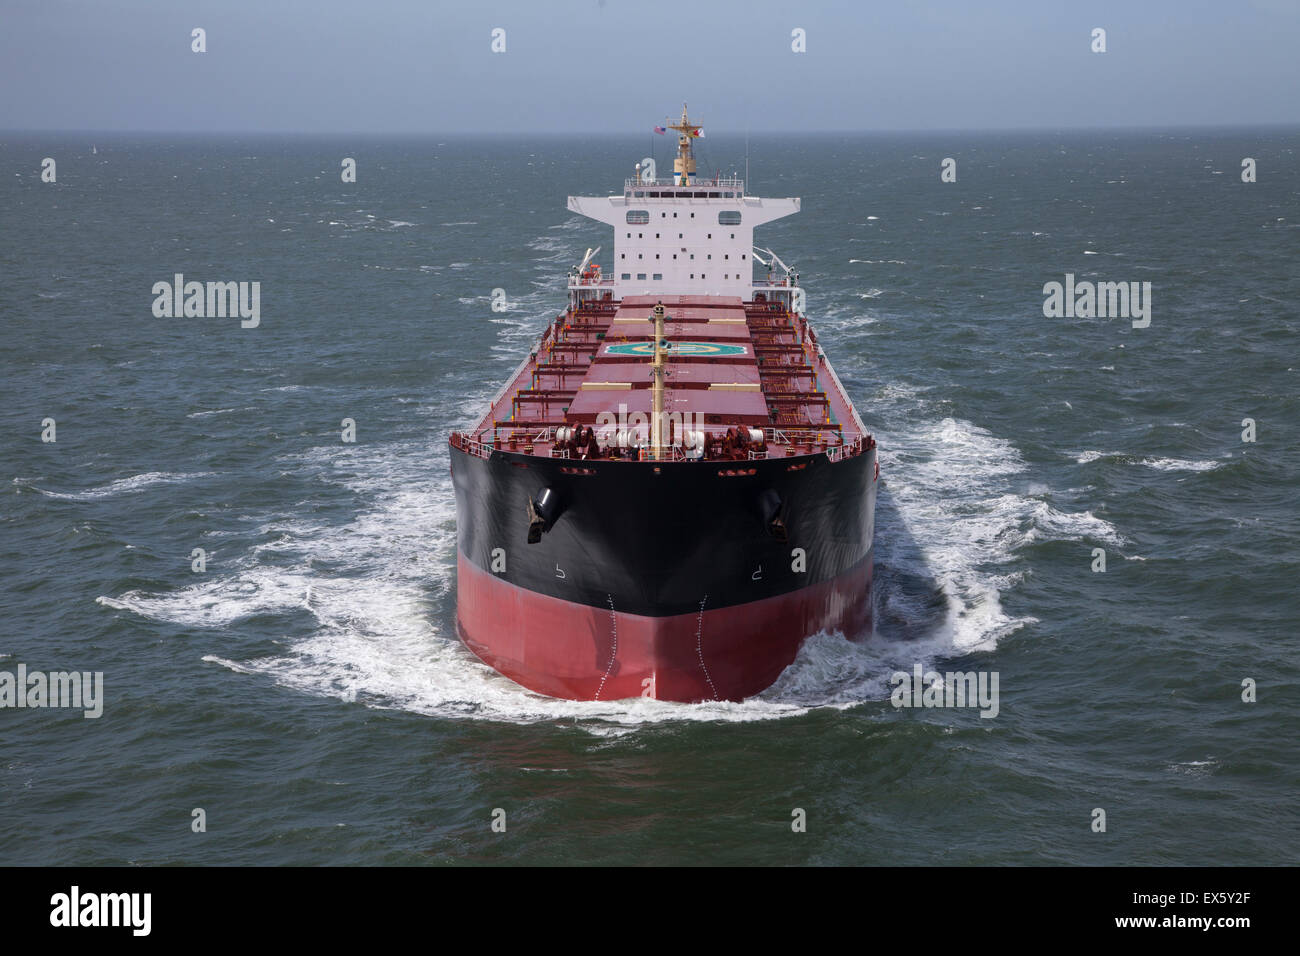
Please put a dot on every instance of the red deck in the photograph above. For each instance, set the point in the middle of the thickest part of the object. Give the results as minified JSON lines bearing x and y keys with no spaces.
{"x":730,"y":364}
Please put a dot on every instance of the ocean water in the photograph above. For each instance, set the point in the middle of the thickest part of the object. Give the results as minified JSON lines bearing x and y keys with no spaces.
{"x":307,"y":690}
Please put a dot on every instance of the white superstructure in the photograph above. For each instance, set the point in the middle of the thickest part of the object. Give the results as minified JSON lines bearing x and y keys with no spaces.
{"x":680,"y":236}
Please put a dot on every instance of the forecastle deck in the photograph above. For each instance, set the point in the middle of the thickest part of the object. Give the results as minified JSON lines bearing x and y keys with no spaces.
{"x":745,"y":380}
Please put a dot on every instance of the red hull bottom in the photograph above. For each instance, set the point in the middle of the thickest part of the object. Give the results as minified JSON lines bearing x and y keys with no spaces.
{"x":575,"y":651}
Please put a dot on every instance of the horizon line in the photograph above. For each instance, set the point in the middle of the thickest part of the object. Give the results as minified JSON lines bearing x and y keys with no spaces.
{"x":784,"y":132}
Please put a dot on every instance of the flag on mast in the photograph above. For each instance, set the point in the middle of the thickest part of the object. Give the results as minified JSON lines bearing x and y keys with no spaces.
{"x":660,"y":130}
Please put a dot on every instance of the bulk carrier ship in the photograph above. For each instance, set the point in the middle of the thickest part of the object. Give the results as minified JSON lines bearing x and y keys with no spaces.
{"x":673,"y":490}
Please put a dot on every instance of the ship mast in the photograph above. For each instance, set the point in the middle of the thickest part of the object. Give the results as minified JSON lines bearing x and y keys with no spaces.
{"x":684,"y":164}
{"x":657,"y":370}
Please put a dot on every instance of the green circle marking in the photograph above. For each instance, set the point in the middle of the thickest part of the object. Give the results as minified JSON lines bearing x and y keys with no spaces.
{"x":696,"y":349}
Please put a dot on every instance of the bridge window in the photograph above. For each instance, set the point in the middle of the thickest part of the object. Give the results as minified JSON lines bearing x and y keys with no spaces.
{"x":627,"y":275}
{"x":637,"y":217}
{"x":640,"y":275}
{"x":729,"y":217}
{"x":659,"y":275}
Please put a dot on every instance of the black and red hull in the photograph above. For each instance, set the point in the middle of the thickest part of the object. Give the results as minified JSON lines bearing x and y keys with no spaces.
{"x":659,"y":579}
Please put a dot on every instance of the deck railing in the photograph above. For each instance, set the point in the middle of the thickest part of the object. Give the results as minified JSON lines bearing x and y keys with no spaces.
{"x":471,"y":445}
{"x":488,"y":441}
{"x":839,"y":387}
{"x":721,"y":182}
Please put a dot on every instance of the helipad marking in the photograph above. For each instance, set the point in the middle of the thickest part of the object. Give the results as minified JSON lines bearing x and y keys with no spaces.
{"x":678,"y":348}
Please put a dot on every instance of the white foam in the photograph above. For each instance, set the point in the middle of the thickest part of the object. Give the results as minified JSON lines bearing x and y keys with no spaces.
{"x":220,"y":602}
{"x":1194,"y":768}
{"x":1046,"y":523}
{"x":1179,"y":464}
{"x":1160,"y":464}
{"x":852,"y":322}
{"x":124,"y":485}
{"x":371,"y":600}
{"x":438,"y":677}
{"x":1084,"y":458}
{"x":959,"y":494}
{"x":372,"y":635}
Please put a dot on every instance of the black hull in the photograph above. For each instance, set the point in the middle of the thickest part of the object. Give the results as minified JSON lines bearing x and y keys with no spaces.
{"x":655,"y":539}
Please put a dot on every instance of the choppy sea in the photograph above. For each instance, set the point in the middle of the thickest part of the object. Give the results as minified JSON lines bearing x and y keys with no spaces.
{"x":306,"y":689}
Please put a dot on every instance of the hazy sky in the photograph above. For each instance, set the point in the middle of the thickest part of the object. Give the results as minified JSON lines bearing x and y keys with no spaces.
{"x":616,"y":66}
